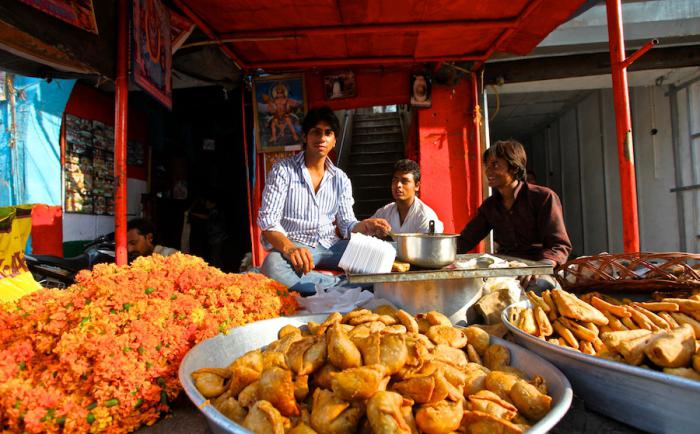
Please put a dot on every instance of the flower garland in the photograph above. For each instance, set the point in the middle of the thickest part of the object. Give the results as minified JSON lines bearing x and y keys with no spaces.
{"x":102,"y":355}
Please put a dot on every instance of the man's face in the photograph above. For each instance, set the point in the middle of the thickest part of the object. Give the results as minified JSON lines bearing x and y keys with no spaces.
{"x":498,"y":173}
{"x":138,"y":244}
{"x":404,"y":187}
{"x":320,"y":140}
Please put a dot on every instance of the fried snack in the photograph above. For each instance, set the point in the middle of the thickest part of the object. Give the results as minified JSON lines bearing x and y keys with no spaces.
{"x":475,"y":381}
{"x":685,"y":319}
{"x":245,"y":370}
{"x":633,"y":350}
{"x":641,"y":320}
{"x":553,"y":312}
{"x":570,"y":306}
{"x":393,"y":352}
{"x":685,"y":305}
{"x":478,"y":338}
{"x":232,"y":409}
{"x":499,"y":330}
{"x":210,"y":381}
{"x":322,"y":377}
{"x":439,"y":418}
{"x":447,"y":335}
{"x":473,"y":354}
{"x":477,"y":422}
{"x":500,"y":383}
{"x":627,"y":322}
{"x":566,"y":334}
{"x":301,"y":387}
{"x":488,"y":402}
{"x":423,"y":323}
{"x":691,"y":374}
{"x":536,"y":300}
{"x":613,"y":339}
{"x":307,"y":355}
{"x":616,"y":310}
{"x":673,"y":349}
{"x":250,"y":394}
{"x":436,"y":318}
{"x":543,"y":324}
{"x":696,"y":362}
{"x":453,"y":356}
{"x":302,"y":428}
{"x":532,"y":403}
{"x":578,"y":330}
{"x":656,"y":319}
{"x":333,"y":415}
{"x":669,"y":319}
{"x":586,"y":348}
{"x":407,"y":320}
{"x":342,"y":352}
{"x":359,"y":383}
{"x":331,"y":319}
{"x":614,"y":323}
{"x":418,"y":389}
{"x":386,"y":415}
{"x":388,"y":320}
{"x":526,"y":322}
{"x":400,"y":267}
{"x":496,"y":357}
{"x":263,"y":418}
{"x":659,"y":306}
{"x":276,"y":387}
{"x":357,"y":313}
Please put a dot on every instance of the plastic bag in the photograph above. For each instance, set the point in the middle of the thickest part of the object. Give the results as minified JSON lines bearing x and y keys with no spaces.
{"x":15,"y":278}
{"x":335,"y":299}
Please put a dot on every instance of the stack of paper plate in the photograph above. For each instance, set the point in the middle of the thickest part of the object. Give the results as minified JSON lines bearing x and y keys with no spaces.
{"x":367,"y":255}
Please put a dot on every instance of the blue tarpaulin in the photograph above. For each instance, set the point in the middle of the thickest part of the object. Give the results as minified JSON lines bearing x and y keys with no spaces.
{"x":30,"y":152}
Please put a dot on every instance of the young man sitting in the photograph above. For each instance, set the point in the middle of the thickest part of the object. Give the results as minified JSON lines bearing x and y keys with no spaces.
{"x":408,"y":214}
{"x":306,"y":196}
{"x":139,"y":236}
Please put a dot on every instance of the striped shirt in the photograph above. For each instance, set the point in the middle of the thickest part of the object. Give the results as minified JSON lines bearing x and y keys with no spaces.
{"x":290,"y":205}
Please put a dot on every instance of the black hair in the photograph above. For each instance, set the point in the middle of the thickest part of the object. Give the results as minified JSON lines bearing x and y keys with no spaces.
{"x":144,"y":226}
{"x":513,"y":152}
{"x":320,"y":114}
{"x":407,"y":165}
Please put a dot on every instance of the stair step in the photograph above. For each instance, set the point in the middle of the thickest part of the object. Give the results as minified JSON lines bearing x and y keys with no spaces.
{"x":378,"y":144}
{"x":385,"y":169}
{"x":380,"y":123}
{"x":370,"y":157}
{"x":375,"y":116}
{"x":371,"y":132}
{"x":370,"y":180}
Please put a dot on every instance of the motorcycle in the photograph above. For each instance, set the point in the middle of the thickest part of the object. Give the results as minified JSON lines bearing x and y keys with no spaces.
{"x":56,"y":272}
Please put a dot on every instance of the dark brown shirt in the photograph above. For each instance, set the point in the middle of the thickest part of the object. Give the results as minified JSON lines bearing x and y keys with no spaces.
{"x":533,"y":228}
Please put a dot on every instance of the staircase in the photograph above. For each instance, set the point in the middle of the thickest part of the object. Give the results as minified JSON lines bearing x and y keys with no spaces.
{"x":377,"y":143}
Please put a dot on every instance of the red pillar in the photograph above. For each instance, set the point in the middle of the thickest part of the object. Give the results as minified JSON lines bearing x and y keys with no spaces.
{"x":474,"y":154}
{"x":444,"y":149}
{"x":623,"y":124}
{"x":120,"y":131}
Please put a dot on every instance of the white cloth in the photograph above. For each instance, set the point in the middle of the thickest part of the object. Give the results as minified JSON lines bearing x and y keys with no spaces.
{"x":164,"y":251}
{"x":417,"y":220}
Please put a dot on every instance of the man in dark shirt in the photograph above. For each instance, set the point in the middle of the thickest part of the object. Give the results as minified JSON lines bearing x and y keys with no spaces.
{"x":526,"y":219}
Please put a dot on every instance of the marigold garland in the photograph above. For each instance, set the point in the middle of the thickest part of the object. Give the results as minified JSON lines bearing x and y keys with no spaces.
{"x":102,"y":355}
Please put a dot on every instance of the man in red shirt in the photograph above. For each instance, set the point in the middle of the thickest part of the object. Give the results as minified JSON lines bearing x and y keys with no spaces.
{"x":526,"y":219}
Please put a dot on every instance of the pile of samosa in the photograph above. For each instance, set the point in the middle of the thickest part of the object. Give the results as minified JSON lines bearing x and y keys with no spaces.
{"x":661,"y":333}
{"x":377,"y":372}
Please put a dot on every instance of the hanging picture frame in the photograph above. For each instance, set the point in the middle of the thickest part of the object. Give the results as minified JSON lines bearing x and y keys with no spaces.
{"x":339,"y":84}
{"x":420,"y":91}
{"x":279,"y":106}
{"x":151,"y":53}
{"x":79,"y":13}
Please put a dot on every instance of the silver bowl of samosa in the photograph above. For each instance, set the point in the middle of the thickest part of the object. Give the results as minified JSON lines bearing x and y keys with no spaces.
{"x":370,"y":372}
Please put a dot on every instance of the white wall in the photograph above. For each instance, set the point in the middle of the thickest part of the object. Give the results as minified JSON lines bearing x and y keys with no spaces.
{"x":576,"y":156}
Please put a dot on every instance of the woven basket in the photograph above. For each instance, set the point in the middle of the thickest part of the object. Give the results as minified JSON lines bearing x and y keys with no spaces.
{"x":640,"y":271}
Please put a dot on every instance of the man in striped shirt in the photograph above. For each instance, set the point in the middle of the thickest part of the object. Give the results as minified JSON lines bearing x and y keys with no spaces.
{"x":305,"y":198}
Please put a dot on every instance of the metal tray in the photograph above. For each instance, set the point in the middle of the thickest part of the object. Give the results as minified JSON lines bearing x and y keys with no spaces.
{"x":643,"y":398}
{"x":221,"y":350}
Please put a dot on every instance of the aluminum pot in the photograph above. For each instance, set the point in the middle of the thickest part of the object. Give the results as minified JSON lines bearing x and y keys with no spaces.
{"x":426,"y":250}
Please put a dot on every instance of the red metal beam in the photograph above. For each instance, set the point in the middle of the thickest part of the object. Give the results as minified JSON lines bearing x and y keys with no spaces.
{"x":211,"y":34}
{"x":349,"y":29}
{"x":639,"y":53}
{"x":474,"y":154}
{"x":509,"y":31}
{"x":251,"y":221}
{"x":346,"y":61}
{"x":623,"y":124}
{"x":121,"y":102}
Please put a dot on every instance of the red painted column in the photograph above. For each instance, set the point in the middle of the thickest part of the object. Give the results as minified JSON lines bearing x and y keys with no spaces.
{"x":120,"y":131}
{"x":474,"y":154}
{"x":444,"y":148}
{"x":623,"y":124}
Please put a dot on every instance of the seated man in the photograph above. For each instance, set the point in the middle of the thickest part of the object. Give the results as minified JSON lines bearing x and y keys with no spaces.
{"x":408,"y":214}
{"x":139,"y":236}
{"x":526,"y":219}
{"x":305,"y":197}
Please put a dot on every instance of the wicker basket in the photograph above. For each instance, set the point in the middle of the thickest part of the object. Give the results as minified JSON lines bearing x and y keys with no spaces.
{"x":640,"y":271}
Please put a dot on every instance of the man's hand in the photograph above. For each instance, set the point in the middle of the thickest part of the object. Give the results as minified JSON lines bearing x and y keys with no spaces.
{"x":525,"y":281}
{"x":301,"y":259}
{"x":373,"y":226}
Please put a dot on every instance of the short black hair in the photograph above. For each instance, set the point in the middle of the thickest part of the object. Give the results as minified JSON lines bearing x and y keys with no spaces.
{"x":320,"y":114}
{"x":407,"y":165}
{"x":513,"y":152}
{"x":144,"y":226}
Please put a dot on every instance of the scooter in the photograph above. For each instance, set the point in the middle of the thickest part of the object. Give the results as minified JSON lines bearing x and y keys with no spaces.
{"x":55,"y":272}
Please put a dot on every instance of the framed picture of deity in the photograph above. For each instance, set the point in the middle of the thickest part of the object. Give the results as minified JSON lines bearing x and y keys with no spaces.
{"x":279,"y":106}
{"x":151,"y":66}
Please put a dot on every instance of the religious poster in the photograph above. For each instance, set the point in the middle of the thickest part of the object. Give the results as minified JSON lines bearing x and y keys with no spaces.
{"x":279,"y":108}
{"x":339,"y":84}
{"x":180,"y":29}
{"x":150,"y":50}
{"x":271,"y":158}
{"x":79,"y":13}
{"x":420,"y":90}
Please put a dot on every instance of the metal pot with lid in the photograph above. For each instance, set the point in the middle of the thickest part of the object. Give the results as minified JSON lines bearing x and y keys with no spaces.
{"x":429,"y":250}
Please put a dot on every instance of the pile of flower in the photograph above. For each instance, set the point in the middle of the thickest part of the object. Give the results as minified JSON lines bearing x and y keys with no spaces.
{"x":102,"y":356}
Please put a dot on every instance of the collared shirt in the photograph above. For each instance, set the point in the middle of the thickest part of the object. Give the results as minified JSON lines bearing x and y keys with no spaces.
{"x":417,"y":219}
{"x":290,"y":205}
{"x":533,"y":228}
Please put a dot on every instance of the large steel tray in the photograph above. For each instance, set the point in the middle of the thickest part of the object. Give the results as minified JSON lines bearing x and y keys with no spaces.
{"x":221,"y":350}
{"x":643,"y":398}
{"x":532,"y":267}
